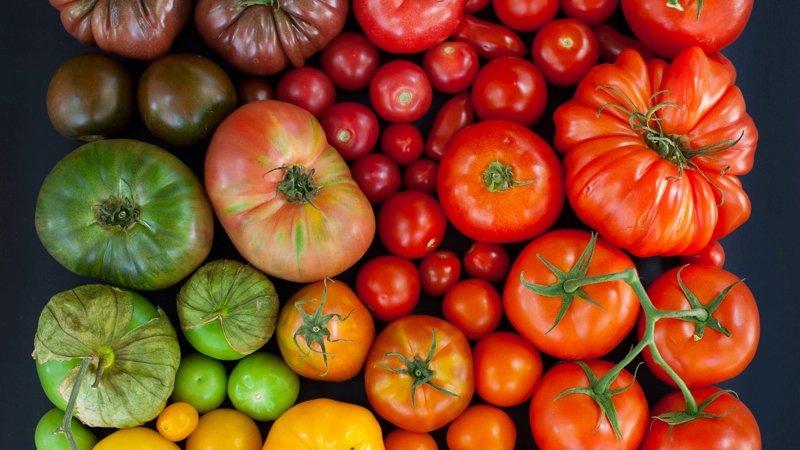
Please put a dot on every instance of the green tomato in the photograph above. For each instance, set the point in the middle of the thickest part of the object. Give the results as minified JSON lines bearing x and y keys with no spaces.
{"x":48,"y":435}
{"x":200,"y":382}
{"x":263,"y":386}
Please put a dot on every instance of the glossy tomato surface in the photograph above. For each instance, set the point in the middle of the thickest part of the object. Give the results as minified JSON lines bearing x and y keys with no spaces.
{"x":400,"y":439}
{"x":590,"y":12}
{"x":474,"y":306}
{"x":565,"y":50}
{"x":350,"y":60}
{"x":402,"y":142}
{"x":525,"y":15}
{"x":451,"y":66}
{"x":454,"y":115}
{"x":389,"y":286}
{"x":352,"y":129}
{"x":507,"y":369}
{"x":254,"y":89}
{"x":482,"y":427}
{"x":421,"y":175}
{"x":512,"y":89}
{"x":487,"y":261}
{"x":411,"y":224}
{"x":400,"y":92}
{"x":377,"y":176}
{"x":439,"y":272}
{"x":308,"y":88}
{"x":712,"y":254}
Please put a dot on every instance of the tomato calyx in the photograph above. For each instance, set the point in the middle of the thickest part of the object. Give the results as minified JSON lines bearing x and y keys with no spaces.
{"x":674,"y":418}
{"x":297,"y":185}
{"x":314,"y":329}
{"x":103,"y":359}
{"x":676,"y":4}
{"x":709,"y":320}
{"x":120,"y":211}
{"x":499,"y":177}
{"x":249,"y":3}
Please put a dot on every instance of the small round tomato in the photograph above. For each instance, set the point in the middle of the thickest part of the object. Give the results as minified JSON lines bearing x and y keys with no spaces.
{"x":263,"y":386}
{"x":590,"y":12}
{"x":474,"y":306}
{"x":565,"y":50}
{"x":400,"y":439}
{"x":308,"y":88}
{"x":507,"y":368}
{"x":451,"y":66}
{"x":510,"y":88}
{"x":225,"y":429}
{"x":254,"y":90}
{"x":201,"y":382}
{"x":400,"y":92}
{"x":712,"y":254}
{"x":350,"y":60}
{"x":473,"y":6}
{"x":137,"y":438}
{"x":403,"y":143}
{"x":487,"y":261}
{"x":48,"y":434}
{"x":421,"y":175}
{"x":177,"y":421}
{"x":439,"y":272}
{"x":525,"y":15}
{"x":352,"y":129}
{"x":389,"y":286}
{"x":411,"y":224}
{"x":482,"y":427}
{"x":377,"y":176}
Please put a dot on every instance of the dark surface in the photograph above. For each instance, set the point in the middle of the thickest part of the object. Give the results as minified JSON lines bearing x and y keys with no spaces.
{"x":764,"y":250}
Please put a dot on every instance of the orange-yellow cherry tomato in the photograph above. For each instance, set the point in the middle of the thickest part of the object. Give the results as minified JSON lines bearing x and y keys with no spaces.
{"x":177,"y":421}
{"x":225,"y":429}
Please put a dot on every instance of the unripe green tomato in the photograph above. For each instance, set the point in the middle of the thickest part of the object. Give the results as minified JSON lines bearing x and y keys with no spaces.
{"x":263,"y":386}
{"x":48,"y":436}
{"x":200,"y":382}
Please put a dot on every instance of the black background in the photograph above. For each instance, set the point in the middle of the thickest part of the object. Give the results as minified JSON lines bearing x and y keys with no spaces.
{"x":764,"y":250}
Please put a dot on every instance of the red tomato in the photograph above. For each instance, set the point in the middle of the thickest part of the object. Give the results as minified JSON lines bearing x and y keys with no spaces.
{"x":525,"y":15}
{"x":482,"y":427}
{"x":667,"y":30}
{"x":402,"y":142}
{"x":487,"y":261}
{"x":411,"y":224}
{"x":712,"y":254}
{"x":500,"y":182}
{"x":389,"y":286}
{"x":421,"y":175}
{"x":439,"y":272}
{"x":575,"y":420}
{"x":377,"y":176}
{"x":350,"y":60}
{"x":451,"y":66}
{"x":507,"y":368}
{"x":308,"y":88}
{"x":473,"y":6}
{"x":590,"y":12}
{"x":565,"y":50}
{"x":732,"y":427}
{"x":612,"y":43}
{"x":510,"y":89}
{"x":351,"y":128}
{"x":254,"y":89}
{"x":701,"y":354}
{"x":489,"y":39}
{"x":454,"y":115}
{"x":408,"y":440}
{"x":400,"y":92}
{"x":408,"y":26}
{"x":474,"y":306}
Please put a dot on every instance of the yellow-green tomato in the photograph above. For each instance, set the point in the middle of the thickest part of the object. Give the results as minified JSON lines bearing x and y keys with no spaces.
{"x":48,"y":434}
{"x":263,"y":386}
{"x":200,"y":382}
{"x":138,"y":438}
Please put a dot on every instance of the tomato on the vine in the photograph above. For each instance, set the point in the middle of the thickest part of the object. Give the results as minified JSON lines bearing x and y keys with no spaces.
{"x":487,"y":261}
{"x":350,"y":60}
{"x":352,"y":129}
{"x":507,"y":369}
{"x":400,"y":92}
{"x":439,"y":272}
{"x":590,"y":12}
{"x":565,"y":50}
{"x":389,"y":286}
{"x":411,"y":224}
{"x":525,"y":15}
{"x":421,"y":175}
{"x":451,"y":66}
{"x":512,"y":89}
{"x":308,"y":88}
{"x":377,"y":176}
{"x":402,"y":142}
{"x":482,"y":427}
{"x":474,"y":306}
{"x":712,"y":254}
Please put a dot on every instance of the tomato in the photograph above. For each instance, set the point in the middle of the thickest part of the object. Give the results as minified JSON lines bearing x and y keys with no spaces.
{"x":352,"y":129}
{"x":421,"y":176}
{"x":411,"y":224}
{"x":482,"y":427}
{"x":732,"y":425}
{"x":201,"y":382}
{"x":409,"y":26}
{"x":590,"y":12}
{"x":350,"y":60}
{"x":263,"y":386}
{"x":667,"y":30}
{"x":510,"y":89}
{"x":473,"y":6}
{"x":402,"y":142}
{"x":712,"y":254}
{"x":489,"y":39}
{"x":408,"y":440}
{"x":377,"y":176}
{"x":474,"y":306}
{"x":565,"y":50}
{"x":139,"y":438}
{"x":389,"y":286}
{"x":225,"y":429}
{"x":711,"y":351}
{"x":612,"y":43}
{"x":451,"y":66}
{"x":253,"y":90}
{"x":658,"y":176}
{"x":487,"y":261}
{"x":308,"y":88}
{"x":312,"y":221}
{"x":177,"y":421}
{"x":525,"y":15}
{"x":324,"y":332}
{"x":439,"y":272}
{"x":507,"y":368}
{"x":419,"y":373}
{"x":454,"y":115}
{"x":575,"y":420}
{"x":400,"y":92}
{"x":500,"y":182}
{"x":48,"y":434}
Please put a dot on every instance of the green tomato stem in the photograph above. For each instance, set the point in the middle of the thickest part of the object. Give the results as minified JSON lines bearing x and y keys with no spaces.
{"x":66,"y":423}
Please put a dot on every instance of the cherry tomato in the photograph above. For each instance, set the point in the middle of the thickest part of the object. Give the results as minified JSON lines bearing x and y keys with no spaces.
{"x":377,"y":176}
{"x":350,"y":60}
{"x":308,"y":88}
{"x":507,"y":368}
{"x":411,"y":224}
{"x":590,"y":12}
{"x":389,"y":286}
{"x":253,"y":90}
{"x":400,"y":439}
{"x":511,"y":89}
{"x":177,"y":421}
{"x":565,"y":50}
{"x":712,"y":255}
{"x":225,"y":429}
{"x":473,"y":6}
{"x":439,"y":272}
{"x":489,"y":39}
{"x":352,"y":129}
{"x":454,"y":115}
{"x":403,"y":143}
{"x":487,"y":261}
{"x":482,"y":427}
{"x":400,"y":92}
{"x":525,"y":15}
{"x":451,"y":66}
{"x":474,"y":306}
{"x":612,"y":43}
{"x":421,"y":176}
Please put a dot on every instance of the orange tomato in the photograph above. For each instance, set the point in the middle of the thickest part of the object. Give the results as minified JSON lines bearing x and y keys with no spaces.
{"x":177,"y":421}
{"x":482,"y":427}
{"x":507,"y":368}
{"x":138,"y":438}
{"x":400,"y":439}
{"x":225,"y":429}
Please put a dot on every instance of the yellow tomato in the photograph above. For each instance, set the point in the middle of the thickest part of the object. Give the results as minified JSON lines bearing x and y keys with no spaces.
{"x":135,"y":439}
{"x":325,"y":424}
{"x":177,"y":421}
{"x":225,"y":429}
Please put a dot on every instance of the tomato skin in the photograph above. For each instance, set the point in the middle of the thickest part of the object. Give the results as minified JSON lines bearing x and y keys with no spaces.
{"x":377,"y":176}
{"x":454,"y":115}
{"x":525,"y":15}
{"x":201,"y":381}
{"x":389,"y":286}
{"x":735,"y":428}
{"x":48,"y":434}
{"x":225,"y":429}
{"x":510,"y":89}
{"x":400,"y":92}
{"x":138,"y":438}
{"x":254,"y":89}
{"x":308,"y":88}
{"x":572,"y":421}
{"x":474,"y":306}
{"x":421,"y":175}
{"x":612,"y":43}
{"x":565,"y":50}
{"x":451,"y":66}
{"x":402,"y":142}
{"x":400,"y":439}
{"x":352,"y":129}
{"x":263,"y":386}
{"x":590,"y":12}
{"x":411,"y":224}
{"x":177,"y":421}
{"x":507,"y":369}
{"x":487,"y":261}
{"x":350,"y":60}
{"x":439,"y":272}
{"x":507,"y":214}
{"x":482,"y":427}
{"x":473,"y":6}
{"x":712,"y":254}
{"x":489,"y":39}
